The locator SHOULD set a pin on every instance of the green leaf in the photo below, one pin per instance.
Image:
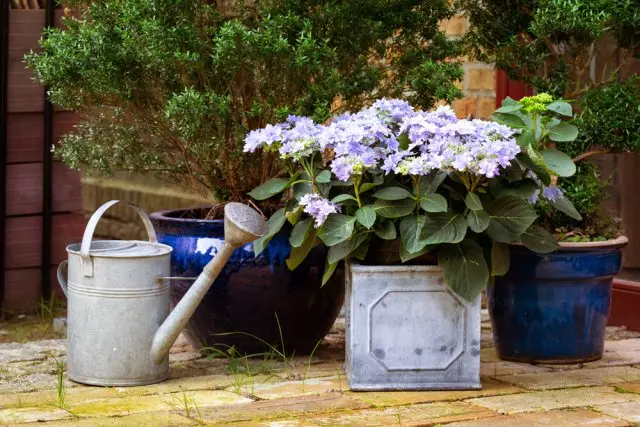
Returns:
(509, 108)
(366, 216)
(361, 251)
(559, 162)
(564, 205)
(410, 230)
(446, 227)
(430, 183)
(509, 101)
(522, 189)
(561, 107)
(298, 254)
(378, 179)
(300, 231)
(539, 240)
(336, 229)
(407, 256)
(385, 230)
(473, 202)
(324, 177)
(394, 208)
(510, 217)
(510, 120)
(343, 198)
(433, 202)
(527, 163)
(392, 193)
(478, 221)
(464, 267)
(500, 258)
(526, 138)
(275, 223)
(563, 132)
(329, 269)
(404, 141)
(270, 188)
(342, 250)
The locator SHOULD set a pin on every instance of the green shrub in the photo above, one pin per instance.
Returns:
(171, 87)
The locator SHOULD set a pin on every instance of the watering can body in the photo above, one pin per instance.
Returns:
(116, 300)
(119, 326)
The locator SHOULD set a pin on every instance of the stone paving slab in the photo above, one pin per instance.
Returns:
(565, 418)
(152, 419)
(417, 415)
(628, 411)
(573, 378)
(154, 403)
(554, 399)
(282, 408)
(27, 415)
(490, 387)
(286, 389)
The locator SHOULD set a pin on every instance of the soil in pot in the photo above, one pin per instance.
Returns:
(255, 299)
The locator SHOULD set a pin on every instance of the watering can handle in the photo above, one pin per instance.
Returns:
(87, 264)
(62, 272)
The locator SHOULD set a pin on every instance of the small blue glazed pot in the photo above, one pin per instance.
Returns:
(254, 298)
(553, 308)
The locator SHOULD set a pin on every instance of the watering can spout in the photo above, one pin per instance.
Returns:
(242, 225)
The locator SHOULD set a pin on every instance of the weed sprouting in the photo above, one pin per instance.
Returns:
(61, 389)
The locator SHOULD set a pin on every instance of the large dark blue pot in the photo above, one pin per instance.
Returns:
(250, 290)
(553, 308)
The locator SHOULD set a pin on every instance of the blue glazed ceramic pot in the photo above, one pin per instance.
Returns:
(245, 299)
(553, 308)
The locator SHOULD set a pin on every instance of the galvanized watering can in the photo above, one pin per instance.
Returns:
(118, 322)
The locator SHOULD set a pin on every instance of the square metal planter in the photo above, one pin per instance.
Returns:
(405, 330)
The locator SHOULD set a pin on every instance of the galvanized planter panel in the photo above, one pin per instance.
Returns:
(405, 330)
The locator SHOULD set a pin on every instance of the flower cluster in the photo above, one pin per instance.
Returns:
(371, 139)
(318, 207)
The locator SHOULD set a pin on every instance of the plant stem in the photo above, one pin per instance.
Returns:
(356, 189)
(589, 154)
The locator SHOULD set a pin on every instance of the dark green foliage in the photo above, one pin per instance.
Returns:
(550, 45)
(172, 86)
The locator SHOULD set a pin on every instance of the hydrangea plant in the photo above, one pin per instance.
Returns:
(460, 189)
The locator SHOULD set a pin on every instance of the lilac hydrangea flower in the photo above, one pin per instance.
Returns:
(265, 136)
(318, 207)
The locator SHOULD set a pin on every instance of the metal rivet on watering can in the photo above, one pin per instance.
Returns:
(119, 326)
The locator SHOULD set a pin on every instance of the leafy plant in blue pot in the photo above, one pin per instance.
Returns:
(171, 88)
(441, 197)
(553, 308)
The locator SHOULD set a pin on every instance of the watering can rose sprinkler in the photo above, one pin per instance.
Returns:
(119, 326)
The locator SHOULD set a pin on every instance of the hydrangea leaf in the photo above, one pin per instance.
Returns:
(408, 256)
(275, 223)
(324, 177)
(510, 217)
(511, 120)
(509, 108)
(446, 227)
(464, 267)
(433, 202)
(526, 138)
(561, 107)
(500, 258)
(473, 202)
(392, 193)
(563, 132)
(410, 232)
(478, 221)
(270, 188)
(385, 230)
(366, 216)
(300, 231)
(539, 240)
(298, 254)
(336, 229)
(565, 206)
(344, 249)
(559, 162)
(430, 183)
(340, 198)
(394, 208)
(329, 269)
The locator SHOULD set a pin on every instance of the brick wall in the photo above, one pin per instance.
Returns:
(479, 81)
